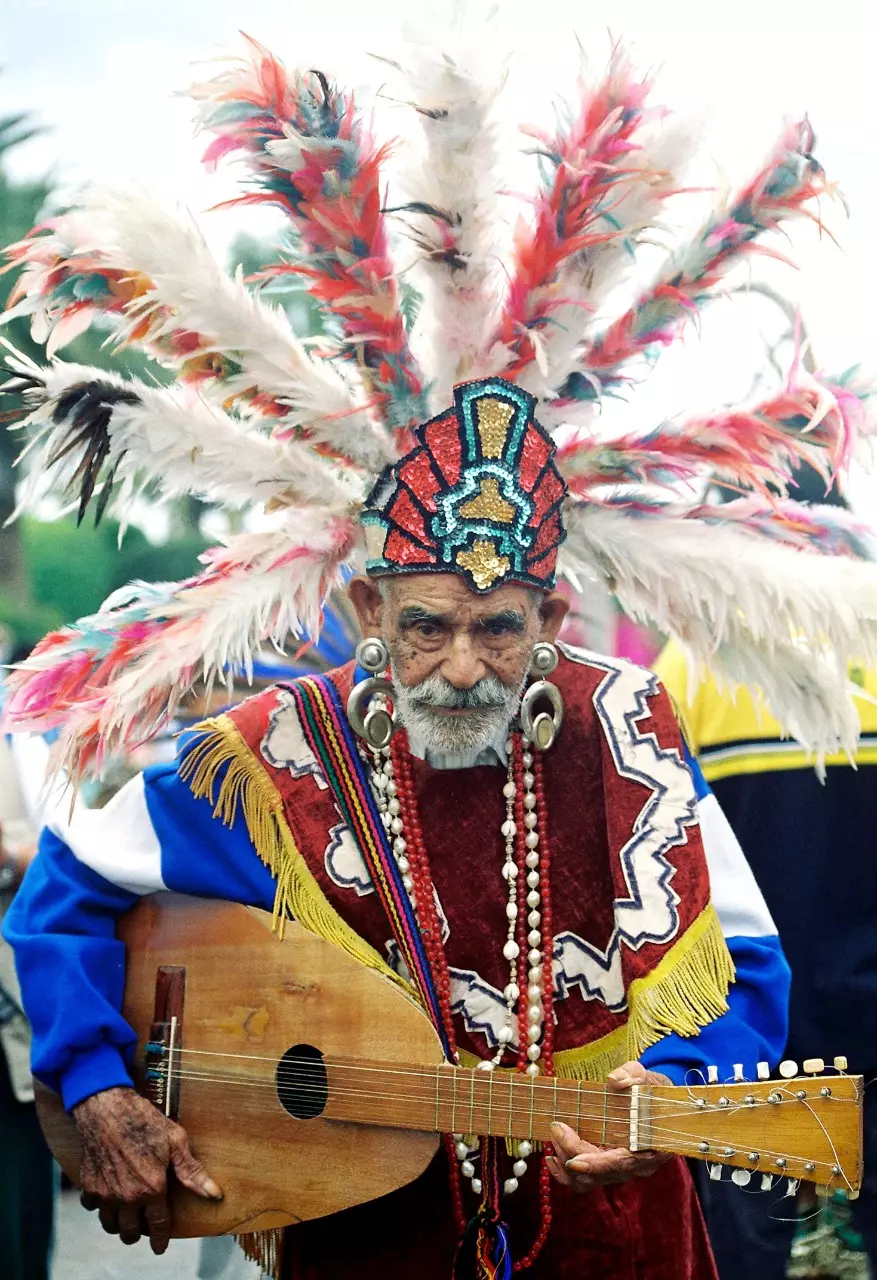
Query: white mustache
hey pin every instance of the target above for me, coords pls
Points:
(488, 694)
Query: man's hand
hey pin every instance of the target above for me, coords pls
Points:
(581, 1166)
(127, 1148)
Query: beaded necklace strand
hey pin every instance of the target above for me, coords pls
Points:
(528, 947)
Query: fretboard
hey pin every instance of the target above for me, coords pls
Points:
(507, 1104)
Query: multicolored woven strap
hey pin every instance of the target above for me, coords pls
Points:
(332, 741)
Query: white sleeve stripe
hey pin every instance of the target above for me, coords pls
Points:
(735, 893)
(118, 841)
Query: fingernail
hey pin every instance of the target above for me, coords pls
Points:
(557, 1131)
(212, 1190)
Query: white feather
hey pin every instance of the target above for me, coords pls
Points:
(737, 602)
(810, 693)
(187, 446)
(132, 232)
(458, 174)
(265, 587)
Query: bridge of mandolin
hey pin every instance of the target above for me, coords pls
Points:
(808, 1127)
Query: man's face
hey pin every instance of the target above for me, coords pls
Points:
(459, 659)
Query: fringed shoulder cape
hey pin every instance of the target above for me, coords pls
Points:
(638, 948)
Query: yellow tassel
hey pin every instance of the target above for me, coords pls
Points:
(686, 990)
(247, 785)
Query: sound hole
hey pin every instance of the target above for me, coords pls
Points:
(302, 1084)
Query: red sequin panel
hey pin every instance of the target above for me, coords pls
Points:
(549, 536)
(404, 513)
(443, 441)
(544, 568)
(534, 454)
(418, 475)
(550, 491)
(400, 549)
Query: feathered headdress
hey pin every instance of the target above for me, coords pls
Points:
(769, 592)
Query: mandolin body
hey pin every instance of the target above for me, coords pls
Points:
(251, 995)
(309, 1083)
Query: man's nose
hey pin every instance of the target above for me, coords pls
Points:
(462, 666)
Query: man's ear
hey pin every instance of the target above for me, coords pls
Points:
(554, 609)
(368, 603)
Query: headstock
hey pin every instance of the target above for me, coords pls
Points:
(800, 1126)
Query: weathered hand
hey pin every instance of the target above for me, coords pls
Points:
(127, 1148)
(581, 1165)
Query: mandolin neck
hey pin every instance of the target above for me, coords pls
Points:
(504, 1104)
(808, 1128)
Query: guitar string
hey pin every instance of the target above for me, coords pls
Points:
(567, 1091)
(546, 1083)
(655, 1128)
(836, 1162)
(547, 1087)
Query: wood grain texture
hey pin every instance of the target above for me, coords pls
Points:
(248, 993)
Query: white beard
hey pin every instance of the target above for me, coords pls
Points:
(491, 708)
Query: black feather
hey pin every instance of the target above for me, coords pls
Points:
(27, 386)
(86, 410)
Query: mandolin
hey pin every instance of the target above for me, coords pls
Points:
(309, 1083)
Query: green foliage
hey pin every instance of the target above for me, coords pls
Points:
(72, 570)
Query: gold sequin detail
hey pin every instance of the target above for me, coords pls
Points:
(484, 564)
(489, 504)
(494, 417)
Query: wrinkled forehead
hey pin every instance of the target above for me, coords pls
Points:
(449, 596)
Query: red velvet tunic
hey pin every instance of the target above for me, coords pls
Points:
(600, 781)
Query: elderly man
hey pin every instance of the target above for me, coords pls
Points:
(580, 901)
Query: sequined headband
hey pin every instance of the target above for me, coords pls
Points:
(479, 495)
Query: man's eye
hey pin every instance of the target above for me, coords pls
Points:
(427, 630)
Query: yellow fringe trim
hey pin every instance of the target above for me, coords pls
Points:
(686, 990)
(248, 786)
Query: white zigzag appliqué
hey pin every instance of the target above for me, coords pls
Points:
(480, 1005)
(648, 913)
(284, 745)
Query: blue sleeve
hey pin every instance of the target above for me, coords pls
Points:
(63, 919)
(72, 970)
(754, 1028)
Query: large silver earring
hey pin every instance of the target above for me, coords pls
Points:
(542, 727)
(375, 724)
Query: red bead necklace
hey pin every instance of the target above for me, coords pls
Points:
(430, 928)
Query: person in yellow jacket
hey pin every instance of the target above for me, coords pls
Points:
(810, 845)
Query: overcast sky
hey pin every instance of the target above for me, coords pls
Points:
(101, 74)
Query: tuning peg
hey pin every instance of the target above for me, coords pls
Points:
(789, 1069)
(712, 1075)
(852, 1195)
(766, 1181)
(741, 1177)
(738, 1071)
(841, 1064)
(814, 1066)
(792, 1187)
(763, 1070)
(715, 1171)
